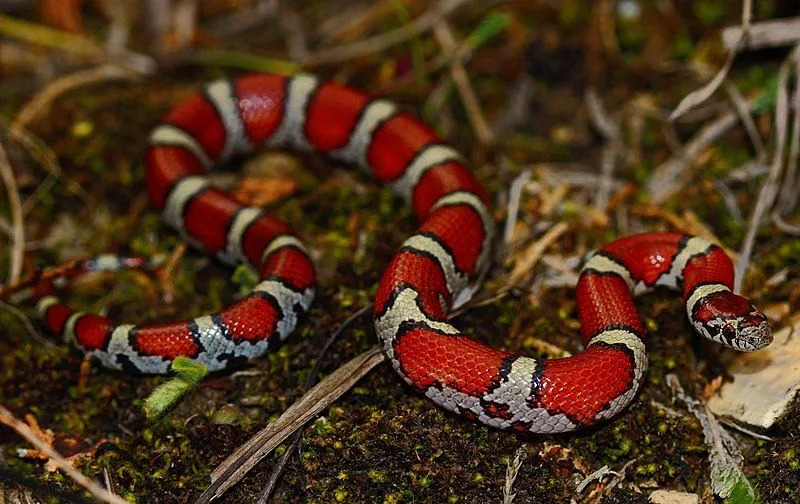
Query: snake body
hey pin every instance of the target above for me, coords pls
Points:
(429, 272)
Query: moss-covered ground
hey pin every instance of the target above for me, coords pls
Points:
(382, 442)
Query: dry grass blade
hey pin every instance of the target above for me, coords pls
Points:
(233, 469)
(17, 227)
(700, 95)
(609, 128)
(769, 189)
(385, 40)
(788, 196)
(531, 255)
(668, 177)
(463, 85)
(772, 33)
(512, 212)
(99, 493)
(40, 104)
(740, 104)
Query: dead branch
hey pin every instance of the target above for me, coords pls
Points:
(100, 493)
(240, 462)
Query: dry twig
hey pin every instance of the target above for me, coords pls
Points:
(769, 188)
(700, 95)
(530, 256)
(772, 33)
(100, 493)
(383, 41)
(233, 468)
(40, 103)
(668, 177)
(17, 227)
(788, 196)
(612, 149)
(463, 85)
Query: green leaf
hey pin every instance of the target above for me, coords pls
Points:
(188, 373)
(242, 60)
(766, 98)
(245, 277)
(743, 493)
(492, 25)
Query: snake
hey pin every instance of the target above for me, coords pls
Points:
(436, 268)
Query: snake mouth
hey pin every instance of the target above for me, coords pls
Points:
(753, 337)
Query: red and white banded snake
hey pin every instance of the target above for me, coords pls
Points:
(449, 249)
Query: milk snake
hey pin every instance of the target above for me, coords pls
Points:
(428, 273)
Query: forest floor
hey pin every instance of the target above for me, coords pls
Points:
(575, 93)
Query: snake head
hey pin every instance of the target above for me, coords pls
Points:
(733, 321)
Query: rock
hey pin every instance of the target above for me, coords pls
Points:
(764, 382)
(673, 497)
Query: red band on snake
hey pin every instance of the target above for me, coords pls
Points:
(429, 272)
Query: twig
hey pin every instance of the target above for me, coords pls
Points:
(735, 426)
(512, 471)
(769, 188)
(81, 45)
(729, 198)
(296, 38)
(11, 476)
(108, 480)
(27, 323)
(119, 29)
(572, 174)
(463, 85)
(668, 177)
(383, 41)
(725, 457)
(45, 156)
(619, 476)
(312, 379)
(772, 33)
(785, 226)
(700, 95)
(514, 196)
(65, 268)
(788, 196)
(298, 414)
(40, 103)
(166, 275)
(740, 104)
(17, 227)
(609, 128)
(100, 493)
(688, 223)
(597, 475)
(243, 18)
(184, 23)
(530, 256)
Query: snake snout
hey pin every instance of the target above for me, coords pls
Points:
(754, 333)
(732, 320)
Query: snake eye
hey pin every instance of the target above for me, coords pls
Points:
(729, 332)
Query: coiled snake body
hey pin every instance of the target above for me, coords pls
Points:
(429, 271)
